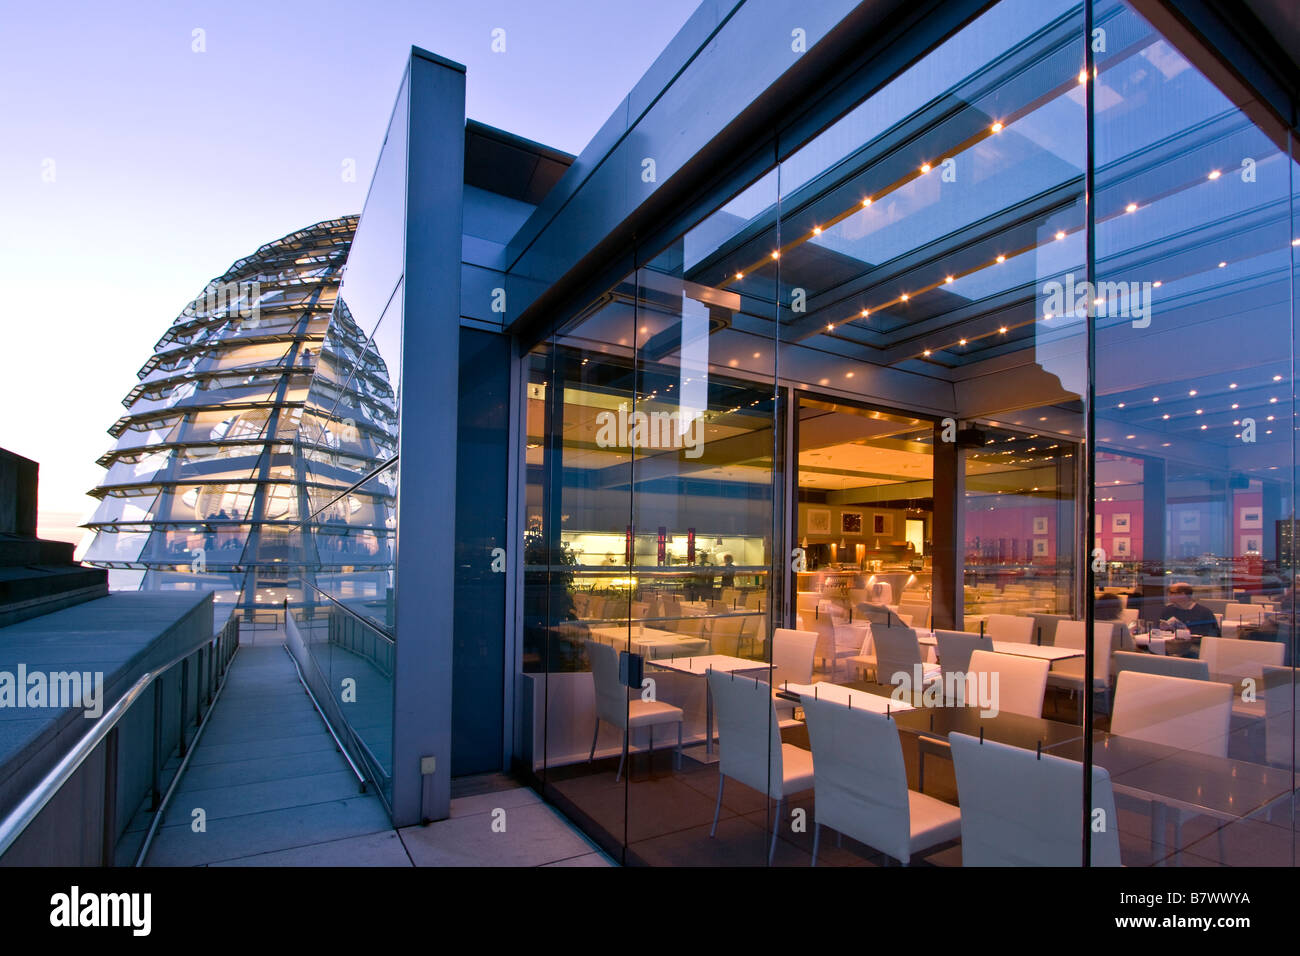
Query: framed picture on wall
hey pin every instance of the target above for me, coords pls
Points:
(1040, 547)
(1040, 525)
(850, 522)
(1119, 524)
(1251, 543)
(1189, 521)
(819, 521)
(1122, 547)
(882, 524)
(1252, 518)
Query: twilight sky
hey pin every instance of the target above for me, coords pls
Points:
(133, 169)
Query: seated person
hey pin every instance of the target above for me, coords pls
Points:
(1182, 607)
(1106, 607)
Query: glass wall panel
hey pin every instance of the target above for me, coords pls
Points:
(1194, 484)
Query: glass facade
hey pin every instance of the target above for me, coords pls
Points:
(843, 426)
(208, 483)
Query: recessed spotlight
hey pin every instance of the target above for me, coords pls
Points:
(1232, 385)
(830, 326)
(1165, 416)
(1131, 207)
(1222, 264)
(1203, 427)
(1083, 76)
(1060, 234)
(996, 127)
(1215, 174)
(926, 353)
(1235, 406)
(1200, 411)
(866, 202)
(817, 230)
(865, 313)
(1157, 284)
(1272, 401)
(925, 167)
(1002, 258)
(739, 276)
(1192, 392)
(776, 253)
(1129, 437)
(947, 278)
(962, 342)
(848, 374)
(904, 297)
(1003, 330)
(1277, 378)
(1120, 405)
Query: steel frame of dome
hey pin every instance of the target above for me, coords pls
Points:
(207, 483)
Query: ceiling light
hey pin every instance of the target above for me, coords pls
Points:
(1192, 392)
(830, 326)
(1060, 234)
(926, 353)
(1232, 385)
(1165, 416)
(996, 127)
(1003, 330)
(817, 230)
(904, 296)
(1215, 174)
(947, 278)
(776, 253)
(865, 313)
(1235, 406)
(1157, 284)
(739, 276)
(866, 202)
(1083, 76)
(1131, 207)
(1002, 258)
(962, 342)
(1277, 378)
(1120, 405)
(925, 167)
(1222, 264)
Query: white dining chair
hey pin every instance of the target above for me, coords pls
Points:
(1188, 667)
(860, 784)
(750, 747)
(613, 706)
(1068, 674)
(1234, 656)
(1279, 717)
(1020, 808)
(899, 652)
(853, 646)
(956, 647)
(1010, 627)
(729, 635)
(1193, 715)
(1021, 681)
(793, 655)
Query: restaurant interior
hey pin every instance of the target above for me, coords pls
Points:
(807, 576)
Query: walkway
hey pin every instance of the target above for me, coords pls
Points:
(275, 792)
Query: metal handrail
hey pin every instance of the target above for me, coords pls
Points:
(180, 771)
(13, 825)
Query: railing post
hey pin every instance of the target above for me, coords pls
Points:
(185, 693)
(110, 798)
(155, 792)
(200, 676)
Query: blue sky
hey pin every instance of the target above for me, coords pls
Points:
(134, 169)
